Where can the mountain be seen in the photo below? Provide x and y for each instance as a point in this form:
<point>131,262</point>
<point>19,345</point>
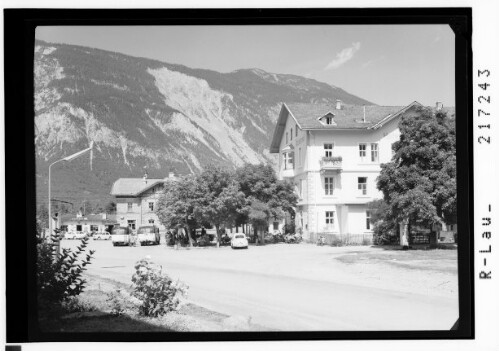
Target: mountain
<point>146,113</point>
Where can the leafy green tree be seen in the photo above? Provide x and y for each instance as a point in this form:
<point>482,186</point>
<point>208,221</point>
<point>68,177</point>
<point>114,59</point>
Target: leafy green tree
<point>260,183</point>
<point>175,207</point>
<point>258,215</point>
<point>419,185</point>
<point>219,200</point>
<point>42,217</point>
<point>110,207</point>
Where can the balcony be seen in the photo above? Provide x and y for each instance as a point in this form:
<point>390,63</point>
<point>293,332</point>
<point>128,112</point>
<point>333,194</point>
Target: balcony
<point>288,173</point>
<point>333,163</point>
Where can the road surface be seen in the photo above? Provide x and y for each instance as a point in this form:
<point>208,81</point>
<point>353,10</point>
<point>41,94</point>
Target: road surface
<point>295,287</point>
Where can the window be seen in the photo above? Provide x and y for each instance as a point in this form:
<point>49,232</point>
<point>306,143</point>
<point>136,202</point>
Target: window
<point>94,228</point>
<point>151,221</point>
<point>362,185</point>
<point>291,133</point>
<point>275,226</point>
<point>362,152</point>
<point>329,219</point>
<point>131,224</point>
<point>78,228</point>
<point>374,152</point>
<point>328,185</point>
<point>299,156</point>
<point>328,150</point>
<point>130,206</point>
<point>151,206</point>
<point>288,160</point>
<point>302,185</point>
<point>328,120</point>
<point>368,220</point>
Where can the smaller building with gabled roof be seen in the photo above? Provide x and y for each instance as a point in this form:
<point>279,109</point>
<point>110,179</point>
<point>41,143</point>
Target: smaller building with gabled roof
<point>136,200</point>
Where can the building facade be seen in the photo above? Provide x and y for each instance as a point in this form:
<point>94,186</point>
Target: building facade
<point>333,155</point>
<point>86,223</point>
<point>136,200</point>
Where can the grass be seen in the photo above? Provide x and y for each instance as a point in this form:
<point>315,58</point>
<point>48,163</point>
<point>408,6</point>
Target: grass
<point>91,312</point>
<point>440,260</point>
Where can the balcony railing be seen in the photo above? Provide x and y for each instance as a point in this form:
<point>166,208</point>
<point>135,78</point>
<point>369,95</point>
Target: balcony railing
<point>288,173</point>
<point>333,163</point>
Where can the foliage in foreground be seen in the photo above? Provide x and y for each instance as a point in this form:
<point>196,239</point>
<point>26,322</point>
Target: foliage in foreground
<point>60,278</point>
<point>158,293</point>
<point>419,184</point>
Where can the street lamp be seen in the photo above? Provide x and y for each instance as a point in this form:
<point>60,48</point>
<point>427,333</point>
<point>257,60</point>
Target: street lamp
<point>67,158</point>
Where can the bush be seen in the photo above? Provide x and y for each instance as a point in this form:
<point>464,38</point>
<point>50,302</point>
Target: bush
<point>120,302</point>
<point>74,304</point>
<point>60,278</point>
<point>158,293</point>
<point>292,238</point>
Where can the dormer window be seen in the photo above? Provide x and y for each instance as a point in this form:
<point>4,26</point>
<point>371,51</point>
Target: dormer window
<point>328,119</point>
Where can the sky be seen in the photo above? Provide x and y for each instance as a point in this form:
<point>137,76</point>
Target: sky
<point>385,64</point>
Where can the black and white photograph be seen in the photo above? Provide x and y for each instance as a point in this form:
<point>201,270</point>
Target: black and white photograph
<point>246,178</point>
<point>239,175</point>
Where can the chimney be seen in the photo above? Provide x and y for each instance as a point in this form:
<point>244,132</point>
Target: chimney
<point>364,114</point>
<point>145,177</point>
<point>338,104</point>
<point>171,175</point>
<point>104,216</point>
<point>439,106</point>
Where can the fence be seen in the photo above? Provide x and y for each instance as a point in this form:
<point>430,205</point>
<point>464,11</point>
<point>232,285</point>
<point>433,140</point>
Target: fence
<point>345,239</point>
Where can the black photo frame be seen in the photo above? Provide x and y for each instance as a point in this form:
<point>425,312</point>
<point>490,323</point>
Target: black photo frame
<point>19,34</point>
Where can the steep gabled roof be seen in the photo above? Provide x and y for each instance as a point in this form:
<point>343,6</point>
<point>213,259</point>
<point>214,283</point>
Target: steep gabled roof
<point>133,186</point>
<point>307,117</point>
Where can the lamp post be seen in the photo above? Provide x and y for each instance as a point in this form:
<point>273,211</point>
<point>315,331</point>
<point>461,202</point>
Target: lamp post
<point>67,158</point>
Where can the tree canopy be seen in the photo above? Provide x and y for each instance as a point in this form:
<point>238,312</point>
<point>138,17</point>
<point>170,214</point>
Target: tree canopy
<point>419,184</point>
<point>223,198</point>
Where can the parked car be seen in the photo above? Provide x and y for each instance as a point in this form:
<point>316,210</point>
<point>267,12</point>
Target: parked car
<point>69,235</point>
<point>239,240</point>
<point>121,236</point>
<point>101,236</point>
<point>75,235</point>
<point>225,240</point>
<point>209,238</point>
<point>148,235</point>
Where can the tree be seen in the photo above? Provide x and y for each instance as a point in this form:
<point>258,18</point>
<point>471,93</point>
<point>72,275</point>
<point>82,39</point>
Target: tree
<point>42,218</point>
<point>260,183</point>
<point>419,185</point>
<point>258,214</point>
<point>110,207</point>
<point>219,200</point>
<point>175,207</point>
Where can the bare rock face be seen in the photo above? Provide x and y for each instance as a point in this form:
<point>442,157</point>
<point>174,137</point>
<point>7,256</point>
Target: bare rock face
<point>145,113</point>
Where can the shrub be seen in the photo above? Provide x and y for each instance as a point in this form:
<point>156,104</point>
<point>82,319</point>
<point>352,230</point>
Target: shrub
<point>74,304</point>
<point>59,277</point>
<point>336,241</point>
<point>158,293</point>
<point>366,241</point>
<point>120,302</point>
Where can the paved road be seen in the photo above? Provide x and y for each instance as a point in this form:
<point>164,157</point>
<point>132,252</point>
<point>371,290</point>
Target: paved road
<point>286,287</point>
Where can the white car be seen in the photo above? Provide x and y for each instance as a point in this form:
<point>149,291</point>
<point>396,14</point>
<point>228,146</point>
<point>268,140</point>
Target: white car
<point>239,240</point>
<point>75,235</point>
<point>102,236</point>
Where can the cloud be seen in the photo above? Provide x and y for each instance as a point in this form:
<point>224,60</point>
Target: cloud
<point>343,56</point>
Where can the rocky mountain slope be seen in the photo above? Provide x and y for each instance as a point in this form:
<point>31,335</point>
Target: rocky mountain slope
<point>145,113</point>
